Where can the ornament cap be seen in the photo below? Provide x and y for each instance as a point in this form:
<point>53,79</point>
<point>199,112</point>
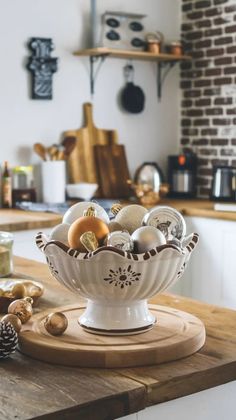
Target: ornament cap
<point>89,241</point>
<point>115,208</point>
<point>90,211</point>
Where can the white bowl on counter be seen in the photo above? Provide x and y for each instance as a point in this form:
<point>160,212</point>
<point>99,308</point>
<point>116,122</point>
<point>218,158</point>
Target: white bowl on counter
<point>115,283</point>
<point>83,190</point>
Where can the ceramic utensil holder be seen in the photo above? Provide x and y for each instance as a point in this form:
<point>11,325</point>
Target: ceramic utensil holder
<point>53,181</point>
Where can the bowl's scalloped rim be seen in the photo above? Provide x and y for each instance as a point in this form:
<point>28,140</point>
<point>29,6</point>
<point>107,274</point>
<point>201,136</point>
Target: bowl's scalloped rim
<point>42,241</point>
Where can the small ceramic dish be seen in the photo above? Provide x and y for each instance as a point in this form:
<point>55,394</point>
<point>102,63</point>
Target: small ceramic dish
<point>15,288</point>
<point>116,283</point>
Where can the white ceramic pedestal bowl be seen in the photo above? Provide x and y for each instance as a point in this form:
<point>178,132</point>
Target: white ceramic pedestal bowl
<point>115,283</point>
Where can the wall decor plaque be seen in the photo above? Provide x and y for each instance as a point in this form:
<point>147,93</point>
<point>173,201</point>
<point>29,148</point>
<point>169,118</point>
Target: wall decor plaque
<point>42,66</point>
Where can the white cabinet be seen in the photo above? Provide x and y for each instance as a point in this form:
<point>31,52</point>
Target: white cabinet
<point>210,275</point>
<point>25,246</point>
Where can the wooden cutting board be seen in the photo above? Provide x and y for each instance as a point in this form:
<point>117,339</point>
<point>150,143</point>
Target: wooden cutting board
<point>112,170</point>
<point>81,165</point>
<point>176,334</point>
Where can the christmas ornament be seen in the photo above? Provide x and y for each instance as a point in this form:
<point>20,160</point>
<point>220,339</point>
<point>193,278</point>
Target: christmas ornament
<point>77,210</point>
<point>168,220</point>
<point>121,240</point>
<point>8,339</point>
<point>14,321</point>
<point>146,238</point>
<point>114,226</point>
<point>21,308</point>
<point>89,241</point>
<point>60,233</point>
<point>18,291</point>
<point>56,323</point>
<point>130,217</point>
<point>87,223</point>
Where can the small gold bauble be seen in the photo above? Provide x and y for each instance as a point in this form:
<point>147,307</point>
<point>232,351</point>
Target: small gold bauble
<point>18,291</point>
<point>22,309</point>
<point>14,321</point>
<point>56,323</point>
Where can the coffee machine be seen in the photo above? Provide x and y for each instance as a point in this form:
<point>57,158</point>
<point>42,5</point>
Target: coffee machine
<point>182,173</point>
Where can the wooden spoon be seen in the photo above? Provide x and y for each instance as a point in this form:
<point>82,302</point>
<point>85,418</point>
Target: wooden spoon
<point>40,150</point>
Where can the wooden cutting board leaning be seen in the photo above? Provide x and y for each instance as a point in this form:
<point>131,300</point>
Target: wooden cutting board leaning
<point>81,162</point>
<point>112,171</point>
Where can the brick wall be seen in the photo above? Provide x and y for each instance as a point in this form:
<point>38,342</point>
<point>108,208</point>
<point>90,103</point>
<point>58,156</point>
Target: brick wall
<point>208,83</point>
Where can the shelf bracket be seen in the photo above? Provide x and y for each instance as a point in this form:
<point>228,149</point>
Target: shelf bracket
<point>93,59</point>
<point>163,68</point>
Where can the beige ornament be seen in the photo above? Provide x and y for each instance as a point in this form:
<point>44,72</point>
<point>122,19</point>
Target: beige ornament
<point>14,321</point>
<point>22,309</point>
<point>130,217</point>
<point>114,226</point>
<point>56,323</point>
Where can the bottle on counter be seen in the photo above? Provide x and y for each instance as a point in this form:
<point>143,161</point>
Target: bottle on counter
<point>6,187</point>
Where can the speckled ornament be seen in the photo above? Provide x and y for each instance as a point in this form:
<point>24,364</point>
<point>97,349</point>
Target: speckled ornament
<point>14,321</point>
<point>56,323</point>
<point>60,233</point>
<point>168,220</point>
<point>130,217</point>
<point>146,238</point>
<point>21,308</point>
<point>77,210</point>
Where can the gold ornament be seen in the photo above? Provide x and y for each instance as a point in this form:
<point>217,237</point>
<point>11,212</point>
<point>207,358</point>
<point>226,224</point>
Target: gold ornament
<point>86,224</point>
<point>18,291</point>
<point>14,321</point>
<point>22,309</point>
<point>56,323</point>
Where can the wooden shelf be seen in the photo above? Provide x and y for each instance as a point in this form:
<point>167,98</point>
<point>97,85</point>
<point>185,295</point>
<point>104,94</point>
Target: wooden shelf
<point>134,55</point>
<point>164,61</point>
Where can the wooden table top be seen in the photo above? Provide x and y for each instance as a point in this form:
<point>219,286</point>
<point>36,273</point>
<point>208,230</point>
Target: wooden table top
<point>33,389</point>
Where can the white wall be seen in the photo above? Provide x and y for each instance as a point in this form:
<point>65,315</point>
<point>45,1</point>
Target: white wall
<point>151,135</point>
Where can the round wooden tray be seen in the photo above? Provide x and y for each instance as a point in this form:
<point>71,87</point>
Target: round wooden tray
<point>176,334</point>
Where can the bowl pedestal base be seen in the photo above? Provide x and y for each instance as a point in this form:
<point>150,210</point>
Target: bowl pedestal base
<point>117,319</point>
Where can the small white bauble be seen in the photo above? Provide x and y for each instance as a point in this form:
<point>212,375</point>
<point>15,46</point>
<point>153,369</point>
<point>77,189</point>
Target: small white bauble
<point>130,217</point>
<point>146,238</point>
<point>77,210</point>
<point>60,233</point>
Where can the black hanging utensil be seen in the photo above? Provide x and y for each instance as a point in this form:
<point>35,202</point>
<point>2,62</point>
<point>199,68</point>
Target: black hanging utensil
<point>132,96</point>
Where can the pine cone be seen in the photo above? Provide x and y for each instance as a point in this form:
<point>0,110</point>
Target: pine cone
<point>8,339</point>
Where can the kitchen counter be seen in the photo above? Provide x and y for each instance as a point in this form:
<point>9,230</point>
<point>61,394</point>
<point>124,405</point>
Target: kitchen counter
<point>14,220</point>
<point>33,389</point>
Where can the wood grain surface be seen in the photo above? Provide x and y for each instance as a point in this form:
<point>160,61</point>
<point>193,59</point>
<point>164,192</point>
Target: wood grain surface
<point>112,171</point>
<point>175,335</point>
<point>13,220</point>
<point>33,389</point>
<point>81,165</point>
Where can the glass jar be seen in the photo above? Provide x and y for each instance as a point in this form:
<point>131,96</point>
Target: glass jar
<point>6,261</point>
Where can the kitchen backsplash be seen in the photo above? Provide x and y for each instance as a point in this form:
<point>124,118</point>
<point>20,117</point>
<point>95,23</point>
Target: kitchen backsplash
<point>208,83</point>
